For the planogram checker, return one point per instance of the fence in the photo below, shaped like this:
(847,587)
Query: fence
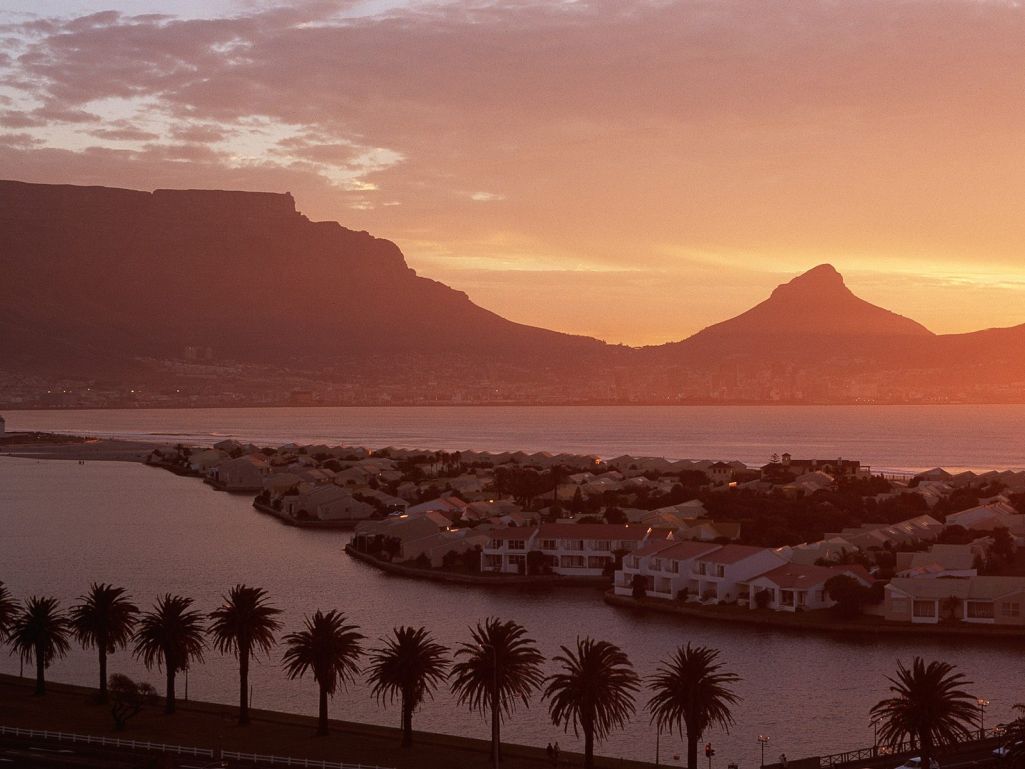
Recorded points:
(880,751)
(108,742)
(306,763)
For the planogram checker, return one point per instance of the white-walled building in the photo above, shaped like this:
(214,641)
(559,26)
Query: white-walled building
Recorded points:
(578,549)
(793,587)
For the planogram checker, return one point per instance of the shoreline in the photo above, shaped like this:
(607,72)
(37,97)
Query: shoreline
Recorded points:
(90,449)
(68,707)
(509,580)
(865,625)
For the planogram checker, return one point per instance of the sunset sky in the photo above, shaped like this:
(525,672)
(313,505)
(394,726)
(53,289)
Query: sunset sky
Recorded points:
(629,169)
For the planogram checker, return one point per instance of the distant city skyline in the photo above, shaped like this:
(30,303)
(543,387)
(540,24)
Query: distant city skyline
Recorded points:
(631,171)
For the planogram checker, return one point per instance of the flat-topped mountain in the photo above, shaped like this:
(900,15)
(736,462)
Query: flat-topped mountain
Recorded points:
(100,272)
(104,281)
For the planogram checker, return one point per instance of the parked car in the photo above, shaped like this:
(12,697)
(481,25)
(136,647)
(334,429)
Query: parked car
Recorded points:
(916,763)
(1006,748)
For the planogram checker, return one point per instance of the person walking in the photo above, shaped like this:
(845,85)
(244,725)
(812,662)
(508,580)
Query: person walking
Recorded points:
(551,754)
(555,752)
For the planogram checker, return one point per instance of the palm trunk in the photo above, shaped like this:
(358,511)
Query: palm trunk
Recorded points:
(588,747)
(40,670)
(925,740)
(322,715)
(102,697)
(407,721)
(496,736)
(169,698)
(243,686)
(692,750)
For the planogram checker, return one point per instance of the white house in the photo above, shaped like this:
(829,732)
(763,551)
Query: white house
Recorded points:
(794,587)
(327,502)
(580,549)
(721,575)
(667,567)
(978,600)
(243,474)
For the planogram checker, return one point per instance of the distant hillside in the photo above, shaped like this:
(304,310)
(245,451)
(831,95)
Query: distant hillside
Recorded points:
(98,274)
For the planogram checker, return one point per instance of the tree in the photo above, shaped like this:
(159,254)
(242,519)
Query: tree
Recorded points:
(127,698)
(104,620)
(692,693)
(928,707)
(244,625)
(40,631)
(639,586)
(329,648)
(499,667)
(849,594)
(409,666)
(8,610)
(594,691)
(170,635)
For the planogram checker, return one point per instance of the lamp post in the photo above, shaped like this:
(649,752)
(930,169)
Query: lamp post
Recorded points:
(875,736)
(982,703)
(763,740)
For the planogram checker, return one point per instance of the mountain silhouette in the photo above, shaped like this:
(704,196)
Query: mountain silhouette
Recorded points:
(95,273)
(103,281)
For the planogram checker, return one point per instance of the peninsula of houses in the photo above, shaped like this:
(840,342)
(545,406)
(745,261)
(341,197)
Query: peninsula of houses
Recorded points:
(820,538)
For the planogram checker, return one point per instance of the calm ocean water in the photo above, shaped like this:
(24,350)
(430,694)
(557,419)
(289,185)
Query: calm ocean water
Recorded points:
(911,437)
(63,525)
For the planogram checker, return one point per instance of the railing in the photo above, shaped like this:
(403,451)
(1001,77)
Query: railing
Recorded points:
(307,763)
(880,751)
(109,742)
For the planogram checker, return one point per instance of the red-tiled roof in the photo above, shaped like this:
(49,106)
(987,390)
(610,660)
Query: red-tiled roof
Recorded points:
(794,575)
(728,554)
(683,551)
(593,531)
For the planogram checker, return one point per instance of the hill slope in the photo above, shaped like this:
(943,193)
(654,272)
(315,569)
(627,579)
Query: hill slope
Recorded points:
(94,273)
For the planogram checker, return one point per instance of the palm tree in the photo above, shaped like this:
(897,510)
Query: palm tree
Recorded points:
(594,691)
(244,624)
(329,648)
(40,630)
(498,667)
(928,707)
(692,693)
(8,610)
(104,620)
(410,665)
(171,635)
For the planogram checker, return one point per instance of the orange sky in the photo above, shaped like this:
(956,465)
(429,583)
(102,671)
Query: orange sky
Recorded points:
(633,170)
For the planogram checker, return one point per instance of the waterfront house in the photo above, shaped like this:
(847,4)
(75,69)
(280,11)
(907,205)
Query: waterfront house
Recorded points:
(974,600)
(327,502)
(800,587)
(667,566)
(581,549)
(401,528)
(722,575)
(995,515)
(245,473)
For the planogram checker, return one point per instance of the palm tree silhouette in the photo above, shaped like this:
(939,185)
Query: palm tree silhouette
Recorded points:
(594,691)
(245,624)
(170,635)
(329,648)
(8,610)
(928,707)
(692,693)
(409,666)
(40,630)
(104,620)
(497,668)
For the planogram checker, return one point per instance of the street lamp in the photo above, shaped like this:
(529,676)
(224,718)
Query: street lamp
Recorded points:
(982,703)
(763,740)
(875,736)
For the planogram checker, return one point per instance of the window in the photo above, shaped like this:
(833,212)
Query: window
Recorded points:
(979,609)
(495,544)
(720,571)
(572,544)
(597,562)
(656,564)
(633,562)
(701,568)
(572,562)
(602,545)
(548,544)
(516,560)
(516,544)
(924,609)
(1010,609)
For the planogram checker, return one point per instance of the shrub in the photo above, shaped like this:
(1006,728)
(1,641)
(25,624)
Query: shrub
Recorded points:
(762,599)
